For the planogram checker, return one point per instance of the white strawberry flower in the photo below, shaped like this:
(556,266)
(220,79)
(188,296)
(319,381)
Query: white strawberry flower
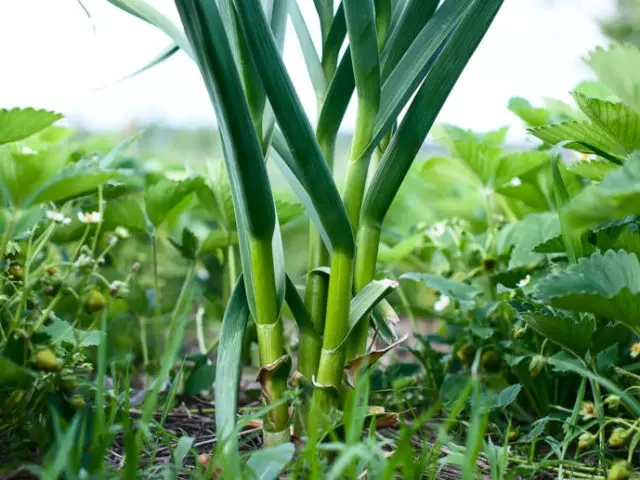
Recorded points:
(524,282)
(442,303)
(437,230)
(90,217)
(58,217)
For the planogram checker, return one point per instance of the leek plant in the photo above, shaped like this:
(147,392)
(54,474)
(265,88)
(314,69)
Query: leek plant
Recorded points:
(399,55)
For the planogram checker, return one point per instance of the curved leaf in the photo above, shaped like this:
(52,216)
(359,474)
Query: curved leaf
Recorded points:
(251,191)
(146,12)
(75,180)
(125,212)
(617,196)
(581,136)
(618,69)
(19,123)
(311,168)
(461,292)
(533,117)
(525,235)
(614,118)
(413,18)
(22,174)
(571,332)
(607,285)
(435,89)
(418,59)
(162,197)
(298,309)
(310,55)
(361,27)
(228,365)
(268,463)
(592,169)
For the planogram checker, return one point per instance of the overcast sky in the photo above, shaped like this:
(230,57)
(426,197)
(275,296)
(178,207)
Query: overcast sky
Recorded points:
(53,56)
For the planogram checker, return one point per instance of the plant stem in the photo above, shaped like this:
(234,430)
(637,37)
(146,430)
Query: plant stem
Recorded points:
(330,370)
(156,295)
(315,295)
(143,341)
(154,268)
(5,239)
(316,303)
(365,269)
(178,307)
(270,342)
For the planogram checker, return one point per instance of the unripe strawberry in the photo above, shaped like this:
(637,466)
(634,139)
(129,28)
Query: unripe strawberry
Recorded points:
(491,360)
(95,301)
(619,471)
(77,401)
(47,360)
(16,272)
(69,382)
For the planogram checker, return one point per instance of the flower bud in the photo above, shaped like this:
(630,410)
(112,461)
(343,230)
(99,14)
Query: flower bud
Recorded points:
(618,437)
(12,250)
(536,365)
(613,402)
(465,352)
(586,441)
(518,333)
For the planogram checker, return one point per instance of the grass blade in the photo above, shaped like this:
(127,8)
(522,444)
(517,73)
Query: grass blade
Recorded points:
(228,365)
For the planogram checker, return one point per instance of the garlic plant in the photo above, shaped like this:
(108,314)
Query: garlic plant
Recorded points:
(399,54)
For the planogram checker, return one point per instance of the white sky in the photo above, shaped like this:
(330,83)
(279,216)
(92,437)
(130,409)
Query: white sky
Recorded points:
(52,57)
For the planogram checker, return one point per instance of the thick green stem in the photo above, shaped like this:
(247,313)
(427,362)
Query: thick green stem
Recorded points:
(315,298)
(315,295)
(316,303)
(368,242)
(331,368)
(354,191)
(270,341)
